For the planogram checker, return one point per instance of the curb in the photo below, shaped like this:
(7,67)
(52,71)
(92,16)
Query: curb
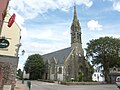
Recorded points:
(20,86)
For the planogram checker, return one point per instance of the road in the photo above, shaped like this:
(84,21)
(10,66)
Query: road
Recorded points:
(37,85)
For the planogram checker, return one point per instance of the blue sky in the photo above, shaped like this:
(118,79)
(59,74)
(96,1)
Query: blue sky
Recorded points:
(45,24)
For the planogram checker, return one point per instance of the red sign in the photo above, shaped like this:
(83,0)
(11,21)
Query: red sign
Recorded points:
(11,20)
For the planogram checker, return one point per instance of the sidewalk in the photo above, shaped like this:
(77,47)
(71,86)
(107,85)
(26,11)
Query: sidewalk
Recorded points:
(20,86)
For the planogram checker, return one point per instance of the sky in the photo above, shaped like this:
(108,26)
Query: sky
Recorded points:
(45,24)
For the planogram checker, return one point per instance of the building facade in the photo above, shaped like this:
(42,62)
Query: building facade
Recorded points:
(98,75)
(3,7)
(9,47)
(69,63)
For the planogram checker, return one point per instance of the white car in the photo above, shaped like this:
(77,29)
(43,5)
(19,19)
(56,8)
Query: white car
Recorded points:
(118,81)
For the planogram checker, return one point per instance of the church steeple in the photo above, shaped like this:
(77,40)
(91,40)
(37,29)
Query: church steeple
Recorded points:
(75,13)
(75,29)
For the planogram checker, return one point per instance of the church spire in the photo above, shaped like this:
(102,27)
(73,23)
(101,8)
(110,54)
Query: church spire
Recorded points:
(75,13)
(76,32)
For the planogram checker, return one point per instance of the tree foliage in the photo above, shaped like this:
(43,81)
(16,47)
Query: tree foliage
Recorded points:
(105,52)
(19,73)
(34,66)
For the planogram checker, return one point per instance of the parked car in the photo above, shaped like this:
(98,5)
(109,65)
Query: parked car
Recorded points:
(118,82)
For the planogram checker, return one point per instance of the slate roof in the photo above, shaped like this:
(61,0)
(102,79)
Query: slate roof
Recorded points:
(59,55)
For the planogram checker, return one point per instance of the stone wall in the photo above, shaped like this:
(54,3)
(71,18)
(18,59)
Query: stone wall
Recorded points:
(8,65)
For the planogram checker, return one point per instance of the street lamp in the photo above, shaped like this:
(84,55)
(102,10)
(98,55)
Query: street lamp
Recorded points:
(23,76)
(23,52)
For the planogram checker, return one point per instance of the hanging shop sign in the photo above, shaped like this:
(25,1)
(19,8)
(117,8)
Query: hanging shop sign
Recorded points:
(4,43)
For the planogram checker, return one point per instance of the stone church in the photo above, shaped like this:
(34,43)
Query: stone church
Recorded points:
(69,63)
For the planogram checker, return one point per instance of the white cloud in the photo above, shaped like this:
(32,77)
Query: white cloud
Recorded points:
(20,66)
(31,8)
(44,48)
(50,35)
(45,39)
(57,39)
(42,34)
(116,6)
(94,25)
(87,3)
(27,9)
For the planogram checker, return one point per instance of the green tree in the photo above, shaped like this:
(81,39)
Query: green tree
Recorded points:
(104,52)
(19,73)
(34,66)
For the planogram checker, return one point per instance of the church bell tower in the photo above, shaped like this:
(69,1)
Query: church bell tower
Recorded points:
(75,64)
(76,33)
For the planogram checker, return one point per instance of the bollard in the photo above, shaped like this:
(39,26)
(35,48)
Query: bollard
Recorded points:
(29,84)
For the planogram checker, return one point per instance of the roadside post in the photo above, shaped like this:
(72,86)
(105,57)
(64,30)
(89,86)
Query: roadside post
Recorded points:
(29,84)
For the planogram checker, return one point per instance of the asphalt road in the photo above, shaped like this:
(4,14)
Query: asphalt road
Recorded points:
(37,85)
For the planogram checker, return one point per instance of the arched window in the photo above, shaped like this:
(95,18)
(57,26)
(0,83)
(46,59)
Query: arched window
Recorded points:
(60,70)
(114,69)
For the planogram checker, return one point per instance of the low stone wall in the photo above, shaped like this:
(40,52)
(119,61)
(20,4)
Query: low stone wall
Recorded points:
(50,81)
(80,83)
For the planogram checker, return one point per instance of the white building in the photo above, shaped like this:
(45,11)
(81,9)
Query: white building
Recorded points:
(98,75)
(9,48)
(26,75)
